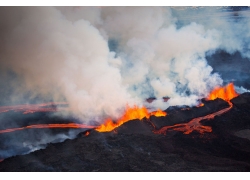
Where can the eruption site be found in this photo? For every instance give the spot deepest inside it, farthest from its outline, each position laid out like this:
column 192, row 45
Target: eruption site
column 147, row 80
column 109, row 125
column 130, row 114
column 226, row 93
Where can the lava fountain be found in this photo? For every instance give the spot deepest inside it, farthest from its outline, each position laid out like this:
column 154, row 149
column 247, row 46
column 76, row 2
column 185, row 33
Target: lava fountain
column 130, row 114
column 226, row 93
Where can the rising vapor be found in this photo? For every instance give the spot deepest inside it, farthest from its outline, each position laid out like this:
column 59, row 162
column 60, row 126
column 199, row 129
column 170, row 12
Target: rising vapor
column 101, row 59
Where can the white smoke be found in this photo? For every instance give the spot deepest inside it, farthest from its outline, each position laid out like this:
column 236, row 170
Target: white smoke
column 241, row 89
column 63, row 52
column 158, row 58
column 65, row 58
column 233, row 26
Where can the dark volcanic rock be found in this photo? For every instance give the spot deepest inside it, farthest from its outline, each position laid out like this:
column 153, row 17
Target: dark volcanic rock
column 136, row 127
column 134, row 147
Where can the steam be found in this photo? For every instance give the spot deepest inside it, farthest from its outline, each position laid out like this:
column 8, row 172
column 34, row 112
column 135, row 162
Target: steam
column 241, row 89
column 232, row 24
column 65, row 54
column 64, row 59
column 26, row 144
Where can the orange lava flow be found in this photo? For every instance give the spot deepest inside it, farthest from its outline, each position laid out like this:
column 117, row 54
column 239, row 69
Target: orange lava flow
column 43, row 126
column 226, row 93
column 109, row 125
column 31, row 108
column 130, row 114
column 194, row 124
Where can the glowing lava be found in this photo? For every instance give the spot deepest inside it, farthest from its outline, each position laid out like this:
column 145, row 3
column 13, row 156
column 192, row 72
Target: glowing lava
column 200, row 105
column 31, row 108
column 109, row 125
column 43, row 126
column 226, row 93
column 158, row 113
column 194, row 124
column 130, row 114
column 86, row 133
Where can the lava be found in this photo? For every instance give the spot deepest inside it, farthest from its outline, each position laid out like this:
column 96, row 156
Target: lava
column 200, row 105
column 43, row 126
column 86, row 133
column 194, row 124
column 109, row 125
column 226, row 93
column 130, row 114
column 32, row 108
column 158, row 113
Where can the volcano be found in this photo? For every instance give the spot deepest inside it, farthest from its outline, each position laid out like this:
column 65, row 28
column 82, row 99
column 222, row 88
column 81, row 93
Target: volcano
column 124, row 88
column 134, row 146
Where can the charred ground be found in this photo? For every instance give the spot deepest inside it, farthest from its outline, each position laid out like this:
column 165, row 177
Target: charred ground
column 134, row 147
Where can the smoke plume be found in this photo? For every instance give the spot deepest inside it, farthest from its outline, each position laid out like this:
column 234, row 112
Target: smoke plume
column 100, row 59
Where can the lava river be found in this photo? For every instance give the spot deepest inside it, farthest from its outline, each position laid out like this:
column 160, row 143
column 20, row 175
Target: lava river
column 42, row 126
column 32, row 108
column 226, row 93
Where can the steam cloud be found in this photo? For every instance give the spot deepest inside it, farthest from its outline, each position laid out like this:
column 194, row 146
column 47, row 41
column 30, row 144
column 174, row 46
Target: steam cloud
column 101, row 59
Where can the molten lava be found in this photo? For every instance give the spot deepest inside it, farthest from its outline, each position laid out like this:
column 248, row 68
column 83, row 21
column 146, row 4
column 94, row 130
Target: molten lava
column 109, row 125
column 130, row 114
column 42, row 126
column 194, row 124
column 158, row 113
column 226, row 93
column 32, row 108
column 86, row 133
column 200, row 105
